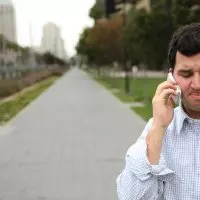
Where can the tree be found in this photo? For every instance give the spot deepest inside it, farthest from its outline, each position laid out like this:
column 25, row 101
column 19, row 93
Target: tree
column 147, row 34
column 81, row 46
column 185, row 11
column 97, row 11
column 102, row 44
column 50, row 59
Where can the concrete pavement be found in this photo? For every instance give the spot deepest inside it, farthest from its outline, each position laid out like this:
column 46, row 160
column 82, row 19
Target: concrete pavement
column 69, row 144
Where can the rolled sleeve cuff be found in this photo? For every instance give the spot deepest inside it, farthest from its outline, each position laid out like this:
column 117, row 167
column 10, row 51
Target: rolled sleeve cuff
column 138, row 163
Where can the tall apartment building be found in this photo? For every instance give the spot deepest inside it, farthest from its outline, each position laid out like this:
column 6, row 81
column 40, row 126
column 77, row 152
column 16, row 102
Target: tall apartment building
column 52, row 40
column 8, row 20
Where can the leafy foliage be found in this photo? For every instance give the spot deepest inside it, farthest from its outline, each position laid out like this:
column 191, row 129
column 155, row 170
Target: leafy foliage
column 145, row 35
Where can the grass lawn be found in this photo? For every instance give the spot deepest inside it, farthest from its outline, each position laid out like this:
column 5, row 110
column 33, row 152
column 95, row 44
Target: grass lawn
column 10, row 108
column 142, row 90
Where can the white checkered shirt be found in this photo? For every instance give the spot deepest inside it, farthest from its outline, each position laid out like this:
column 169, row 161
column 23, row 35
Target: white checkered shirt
column 177, row 176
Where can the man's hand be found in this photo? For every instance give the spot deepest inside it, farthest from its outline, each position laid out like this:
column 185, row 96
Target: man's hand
column 163, row 110
column 163, row 105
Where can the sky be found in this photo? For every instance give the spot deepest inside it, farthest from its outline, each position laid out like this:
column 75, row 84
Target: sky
column 70, row 15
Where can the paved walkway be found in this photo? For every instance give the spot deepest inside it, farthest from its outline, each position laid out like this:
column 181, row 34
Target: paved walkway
column 69, row 144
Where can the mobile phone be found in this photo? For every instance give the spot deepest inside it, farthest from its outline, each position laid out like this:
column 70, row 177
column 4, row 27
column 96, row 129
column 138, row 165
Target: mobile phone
column 176, row 99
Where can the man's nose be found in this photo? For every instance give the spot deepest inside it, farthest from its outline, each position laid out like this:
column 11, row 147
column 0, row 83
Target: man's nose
column 196, row 82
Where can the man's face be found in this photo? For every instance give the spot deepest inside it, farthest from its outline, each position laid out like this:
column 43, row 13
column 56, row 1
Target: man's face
column 187, row 75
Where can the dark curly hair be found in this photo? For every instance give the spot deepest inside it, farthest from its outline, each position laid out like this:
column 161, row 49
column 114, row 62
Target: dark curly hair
column 185, row 40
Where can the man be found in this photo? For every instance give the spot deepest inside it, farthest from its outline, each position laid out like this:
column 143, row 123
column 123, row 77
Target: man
column 165, row 161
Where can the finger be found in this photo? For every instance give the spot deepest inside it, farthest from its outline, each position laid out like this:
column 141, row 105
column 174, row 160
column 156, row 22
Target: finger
column 165, row 85
column 167, row 92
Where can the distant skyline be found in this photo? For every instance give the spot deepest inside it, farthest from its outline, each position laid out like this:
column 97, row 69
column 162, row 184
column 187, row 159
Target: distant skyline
column 70, row 15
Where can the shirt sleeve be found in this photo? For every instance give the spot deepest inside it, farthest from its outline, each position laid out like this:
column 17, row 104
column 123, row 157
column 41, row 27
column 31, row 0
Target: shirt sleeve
column 139, row 179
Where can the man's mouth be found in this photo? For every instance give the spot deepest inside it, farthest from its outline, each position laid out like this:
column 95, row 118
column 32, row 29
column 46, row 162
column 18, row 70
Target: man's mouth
column 195, row 95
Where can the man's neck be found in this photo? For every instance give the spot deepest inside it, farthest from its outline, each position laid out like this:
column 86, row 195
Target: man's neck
column 191, row 113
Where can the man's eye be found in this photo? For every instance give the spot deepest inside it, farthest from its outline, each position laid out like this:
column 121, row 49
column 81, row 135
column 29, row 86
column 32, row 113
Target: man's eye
column 186, row 75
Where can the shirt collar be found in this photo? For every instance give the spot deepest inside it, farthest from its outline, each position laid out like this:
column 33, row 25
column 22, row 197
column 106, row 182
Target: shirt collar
column 181, row 116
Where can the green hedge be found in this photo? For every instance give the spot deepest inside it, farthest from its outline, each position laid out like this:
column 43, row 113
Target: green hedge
column 9, row 87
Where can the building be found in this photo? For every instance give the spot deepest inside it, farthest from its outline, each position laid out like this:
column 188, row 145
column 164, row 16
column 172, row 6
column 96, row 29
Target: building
column 8, row 20
column 52, row 41
column 144, row 4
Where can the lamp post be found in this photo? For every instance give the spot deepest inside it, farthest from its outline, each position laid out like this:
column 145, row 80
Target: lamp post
column 126, row 67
